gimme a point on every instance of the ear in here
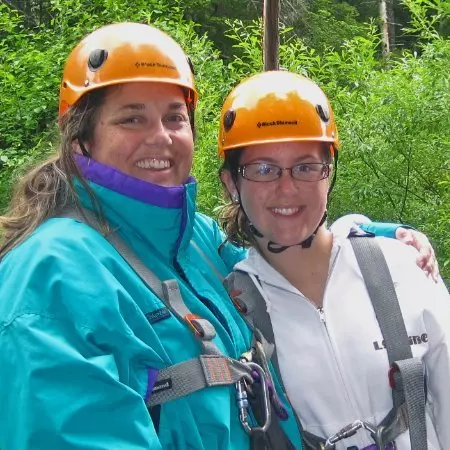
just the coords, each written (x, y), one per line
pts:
(81, 148)
(76, 147)
(227, 180)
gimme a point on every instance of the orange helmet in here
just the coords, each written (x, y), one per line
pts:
(276, 106)
(123, 53)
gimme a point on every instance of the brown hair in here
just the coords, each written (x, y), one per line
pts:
(48, 188)
(232, 217)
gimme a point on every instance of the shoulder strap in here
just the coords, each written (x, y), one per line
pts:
(251, 304)
(406, 374)
(89, 218)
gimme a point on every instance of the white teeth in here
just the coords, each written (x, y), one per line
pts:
(286, 211)
(152, 163)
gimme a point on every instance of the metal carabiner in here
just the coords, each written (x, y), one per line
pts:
(378, 438)
(348, 431)
(243, 405)
(241, 394)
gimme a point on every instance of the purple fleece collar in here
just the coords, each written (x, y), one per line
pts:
(117, 181)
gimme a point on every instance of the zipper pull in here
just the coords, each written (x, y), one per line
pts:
(321, 314)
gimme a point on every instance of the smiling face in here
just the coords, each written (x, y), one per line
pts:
(285, 211)
(143, 130)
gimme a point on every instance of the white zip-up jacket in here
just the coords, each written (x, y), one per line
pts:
(332, 360)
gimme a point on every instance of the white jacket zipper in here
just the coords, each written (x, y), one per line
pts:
(338, 364)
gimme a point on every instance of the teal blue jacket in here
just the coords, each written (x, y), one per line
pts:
(80, 333)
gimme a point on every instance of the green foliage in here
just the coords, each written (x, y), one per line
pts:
(429, 18)
(394, 133)
(328, 24)
(212, 17)
(392, 116)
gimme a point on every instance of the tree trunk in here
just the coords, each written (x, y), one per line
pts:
(271, 34)
(384, 29)
(387, 26)
(391, 23)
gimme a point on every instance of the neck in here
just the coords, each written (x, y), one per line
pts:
(304, 268)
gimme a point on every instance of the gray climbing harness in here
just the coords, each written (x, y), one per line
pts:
(211, 368)
(406, 374)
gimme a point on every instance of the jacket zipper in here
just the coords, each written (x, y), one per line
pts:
(322, 318)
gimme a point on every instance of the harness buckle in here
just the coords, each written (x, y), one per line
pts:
(194, 325)
(240, 305)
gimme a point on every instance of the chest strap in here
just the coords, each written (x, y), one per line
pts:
(406, 374)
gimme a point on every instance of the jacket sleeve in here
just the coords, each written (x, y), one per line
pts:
(384, 229)
(60, 386)
(437, 361)
(60, 393)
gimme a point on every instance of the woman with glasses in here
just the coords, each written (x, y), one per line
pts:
(280, 147)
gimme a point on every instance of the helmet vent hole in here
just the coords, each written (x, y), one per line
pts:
(191, 64)
(324, 114)
(97, 58)
(228, 119)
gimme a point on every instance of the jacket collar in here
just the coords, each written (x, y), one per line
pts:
(159, 216)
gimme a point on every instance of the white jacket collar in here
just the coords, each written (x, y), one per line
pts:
(256, 265)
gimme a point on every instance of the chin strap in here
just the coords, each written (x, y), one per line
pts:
(273, 247)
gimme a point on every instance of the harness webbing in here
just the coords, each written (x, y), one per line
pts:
(211, 368)
(406, 372)
(199, 373)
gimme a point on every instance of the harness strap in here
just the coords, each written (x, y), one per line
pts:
(202, 328)
(406, 373)
(211, 368)
(196, 374)
(168, 291)
(89, 218)
(252, 306)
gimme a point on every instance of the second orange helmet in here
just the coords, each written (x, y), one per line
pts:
(276, 106)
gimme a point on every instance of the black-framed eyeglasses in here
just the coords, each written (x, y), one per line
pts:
(263, 172)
